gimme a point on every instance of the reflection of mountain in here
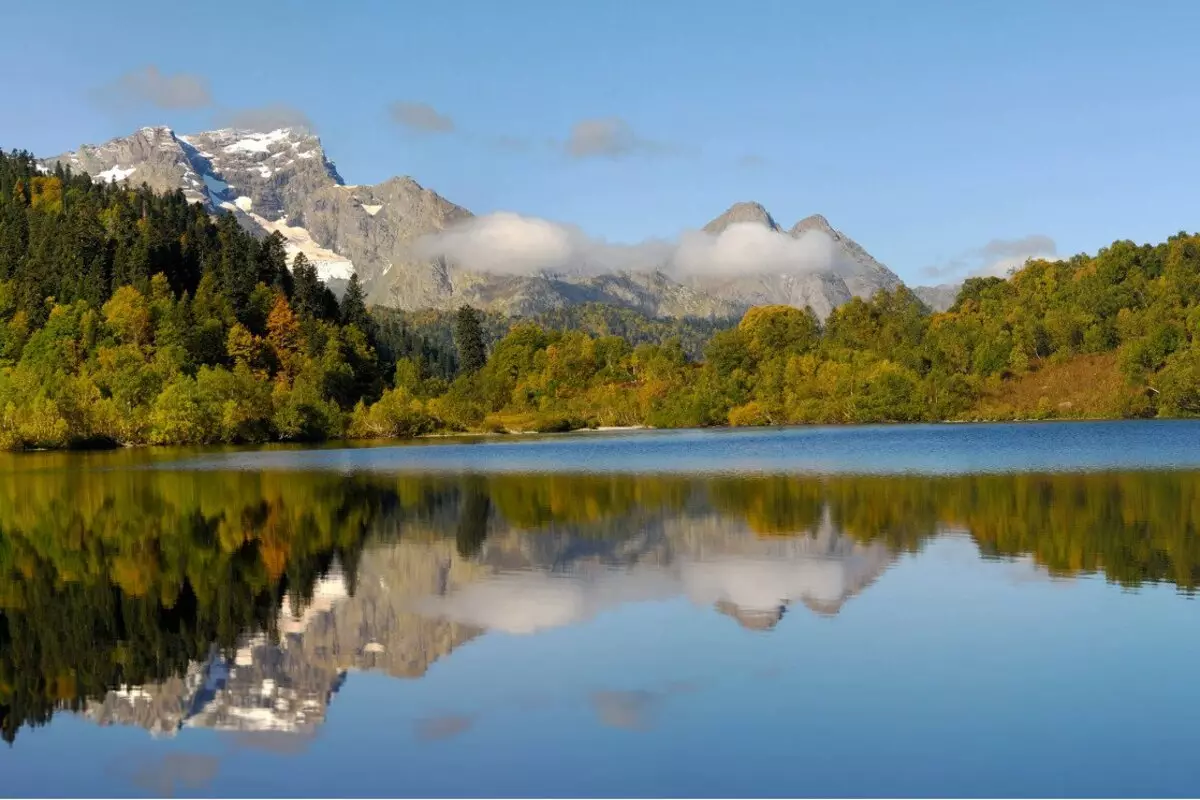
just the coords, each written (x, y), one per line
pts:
(418, 599)
(168, 583)
(713, 560)
(287, 686)
(262, 687)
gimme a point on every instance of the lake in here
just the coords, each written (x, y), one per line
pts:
(936, 610)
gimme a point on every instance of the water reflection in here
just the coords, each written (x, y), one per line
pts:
(241, 601)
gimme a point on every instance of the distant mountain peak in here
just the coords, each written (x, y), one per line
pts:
(814, 222)
(742, 212)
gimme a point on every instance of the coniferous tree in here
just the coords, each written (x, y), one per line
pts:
(353, 310)
(237, 271)
(468, 339)
(308, 291)
(272, 263)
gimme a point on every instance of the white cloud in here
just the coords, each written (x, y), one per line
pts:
(508, 243)
(609, 137)
(503, 243)
(998, 258)
(747, 247)
(420, 117)
(150, 87)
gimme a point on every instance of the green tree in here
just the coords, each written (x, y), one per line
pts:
(468, 339)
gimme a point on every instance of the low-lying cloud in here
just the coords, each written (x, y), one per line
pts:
(149, 87)
(998, 258)
(512, 244)
(748, 247)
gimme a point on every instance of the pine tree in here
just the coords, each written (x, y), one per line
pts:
(353, 309)
(272, 261)
(468, 339)
(308, 293)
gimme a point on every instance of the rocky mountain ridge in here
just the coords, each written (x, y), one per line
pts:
(282, 180)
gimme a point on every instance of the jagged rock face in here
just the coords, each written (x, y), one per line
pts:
(283, 181)
(940, 297)
(151, 155)
(857, 268)
(276, 171)
(822, 292)
(374, 227)
(653, 293)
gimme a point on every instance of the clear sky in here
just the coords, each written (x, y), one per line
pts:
(924, 130)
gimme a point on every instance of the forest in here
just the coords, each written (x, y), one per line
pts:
(129, 318)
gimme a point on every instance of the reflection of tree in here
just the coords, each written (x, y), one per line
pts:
(124, 577)
(473, 519)
(772, 505)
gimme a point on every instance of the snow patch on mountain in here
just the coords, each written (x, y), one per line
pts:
(115, 174)
(330, 266)
(257, 142)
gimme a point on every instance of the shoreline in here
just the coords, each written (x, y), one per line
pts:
(441, 435)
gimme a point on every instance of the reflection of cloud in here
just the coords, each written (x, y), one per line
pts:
(281, 742)
(630, 710)
(762, 585)
(447, 727)
(529, 602)
(752, 585)
(637, 709)
(1023, 570)
(162, 777)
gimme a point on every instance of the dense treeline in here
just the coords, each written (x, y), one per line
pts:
(128, 317)
(115, 577)
(133, 317)
(435, 329)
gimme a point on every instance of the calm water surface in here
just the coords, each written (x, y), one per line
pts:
(926, 610)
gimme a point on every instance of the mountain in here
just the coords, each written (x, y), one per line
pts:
(852, 271)
(282, 180)
(739, 213)
(940, 297)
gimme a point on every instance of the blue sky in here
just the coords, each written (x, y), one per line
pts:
(937, 134)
